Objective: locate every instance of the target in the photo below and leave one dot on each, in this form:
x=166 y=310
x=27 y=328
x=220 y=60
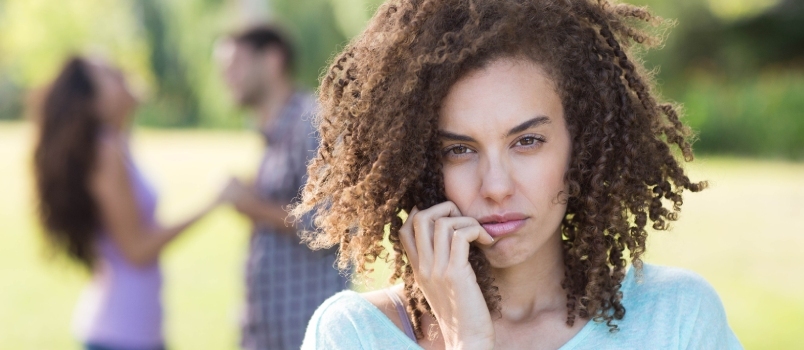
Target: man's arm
x=265 y=212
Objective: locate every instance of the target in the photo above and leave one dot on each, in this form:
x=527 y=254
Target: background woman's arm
x=112 y=189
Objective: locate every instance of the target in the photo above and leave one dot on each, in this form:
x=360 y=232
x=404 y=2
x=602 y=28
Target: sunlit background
x=737 y=67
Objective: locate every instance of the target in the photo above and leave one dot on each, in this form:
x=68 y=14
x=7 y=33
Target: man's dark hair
x=262 y=37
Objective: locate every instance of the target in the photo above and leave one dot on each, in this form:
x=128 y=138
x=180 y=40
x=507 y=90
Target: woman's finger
x=461 y=240
x=442 y=237
x=423 y=225
x=407 y=240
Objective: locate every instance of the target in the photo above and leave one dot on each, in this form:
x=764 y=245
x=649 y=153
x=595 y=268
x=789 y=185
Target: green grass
x=744 y=235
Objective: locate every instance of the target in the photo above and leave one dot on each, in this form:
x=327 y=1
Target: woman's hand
x=437 y=241
x=232 y=191
x=241 y=196
x=247 y=201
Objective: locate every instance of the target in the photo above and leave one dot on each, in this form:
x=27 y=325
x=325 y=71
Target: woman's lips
x=497 y=229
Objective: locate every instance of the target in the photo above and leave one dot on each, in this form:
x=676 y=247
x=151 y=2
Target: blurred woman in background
x=98 y=208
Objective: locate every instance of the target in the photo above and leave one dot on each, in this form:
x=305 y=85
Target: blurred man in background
x=285 y=280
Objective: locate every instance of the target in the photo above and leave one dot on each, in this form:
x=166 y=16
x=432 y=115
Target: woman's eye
x=459 y=149
x=528 y=141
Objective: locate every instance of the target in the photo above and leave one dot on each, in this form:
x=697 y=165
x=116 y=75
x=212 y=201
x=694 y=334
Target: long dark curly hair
x=379 y=149
x=69 y=126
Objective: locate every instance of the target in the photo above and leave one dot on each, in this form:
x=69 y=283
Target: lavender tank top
x=407 y=327
x=122 y=305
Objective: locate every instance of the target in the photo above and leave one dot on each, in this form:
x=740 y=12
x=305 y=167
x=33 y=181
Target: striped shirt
x=285 y=280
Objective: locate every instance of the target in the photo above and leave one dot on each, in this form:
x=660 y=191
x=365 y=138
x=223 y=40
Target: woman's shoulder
x=351 y=307
x=111 y=161
x=669 y=307
x=345 y=304
x=333 y=321
x=654 y=283
x=110 y=147
x=348 y=320
x=650 y=275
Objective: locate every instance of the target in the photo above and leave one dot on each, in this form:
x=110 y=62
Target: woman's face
x=115 y=102
x=506 y=149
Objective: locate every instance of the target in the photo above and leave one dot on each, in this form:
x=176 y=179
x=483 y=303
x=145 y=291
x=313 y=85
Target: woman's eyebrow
x=531 y=123
x=454 y=137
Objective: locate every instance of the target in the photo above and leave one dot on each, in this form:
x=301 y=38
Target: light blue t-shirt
x=666 y=308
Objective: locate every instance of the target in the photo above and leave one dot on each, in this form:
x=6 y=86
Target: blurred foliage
x=759 y=116
x=37 y=35
x=736 y=65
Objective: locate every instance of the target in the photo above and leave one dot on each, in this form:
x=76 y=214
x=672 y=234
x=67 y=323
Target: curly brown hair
x=379 y=153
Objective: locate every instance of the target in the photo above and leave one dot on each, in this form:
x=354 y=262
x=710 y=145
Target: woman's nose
x=497 y=184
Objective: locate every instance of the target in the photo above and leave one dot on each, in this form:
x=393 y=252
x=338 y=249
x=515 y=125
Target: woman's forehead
x=503 y=94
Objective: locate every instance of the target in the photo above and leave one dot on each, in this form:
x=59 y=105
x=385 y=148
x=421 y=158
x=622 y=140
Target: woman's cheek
x=450 y=188
x=458 y=184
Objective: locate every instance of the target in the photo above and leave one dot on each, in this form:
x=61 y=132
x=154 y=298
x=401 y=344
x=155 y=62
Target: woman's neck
x=117 y=125
x=118 y=133
x=533 y=287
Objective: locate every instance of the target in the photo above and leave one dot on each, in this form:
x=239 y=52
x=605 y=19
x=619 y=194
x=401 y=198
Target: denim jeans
x=105 y=347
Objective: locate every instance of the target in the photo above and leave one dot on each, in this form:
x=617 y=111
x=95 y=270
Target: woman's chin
x=504 y=253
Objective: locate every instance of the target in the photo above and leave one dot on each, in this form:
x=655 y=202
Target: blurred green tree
x=37 y=35
x=176 y=101
x=737 y=65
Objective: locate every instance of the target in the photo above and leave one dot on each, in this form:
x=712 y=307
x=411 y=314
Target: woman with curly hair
x=514 y=153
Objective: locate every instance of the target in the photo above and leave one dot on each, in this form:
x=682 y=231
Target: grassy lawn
x=745 y=235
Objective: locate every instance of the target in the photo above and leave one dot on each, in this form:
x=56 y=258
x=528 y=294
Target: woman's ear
x=562 y=197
